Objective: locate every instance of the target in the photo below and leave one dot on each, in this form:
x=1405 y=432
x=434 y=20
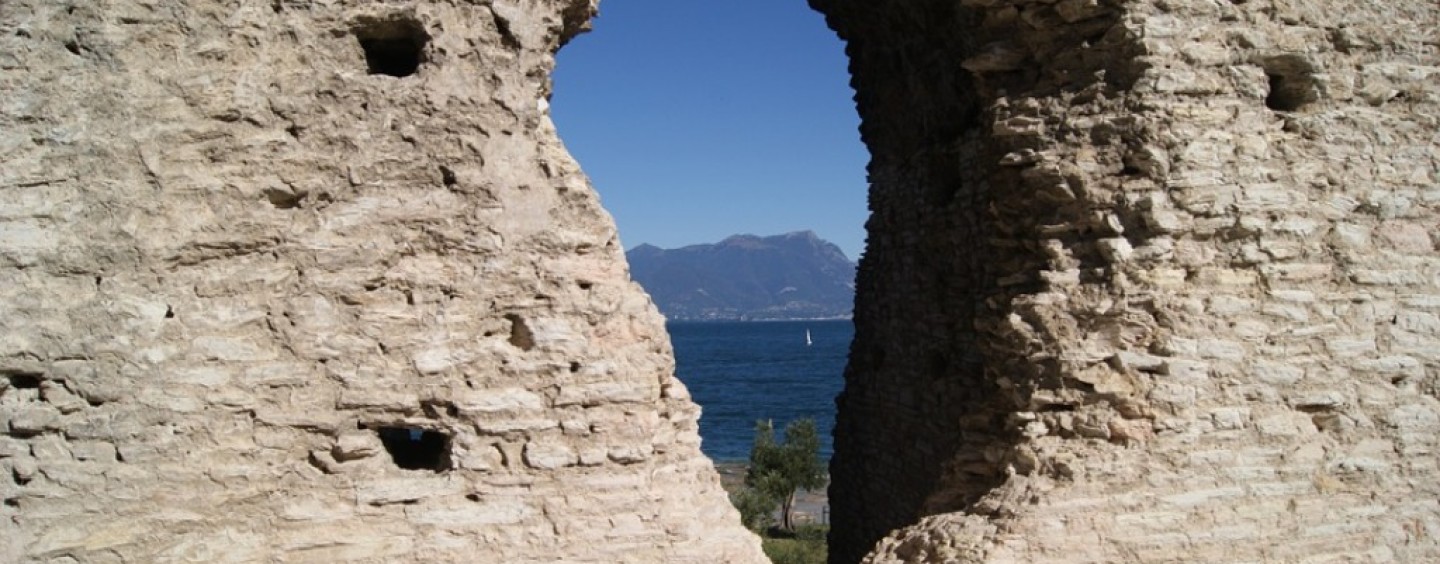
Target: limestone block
x=1412 y=417
x=549 y=455
x=439 y=359
x=1276 y=273
x=499 y=400
x=12 y=447
x=356 y=445
x=475 y=453
x=1384 y=277
x=384 y=491
x=93 y=451
x=1166 y=221
x=629 y=454
x=1284 y=424
x=485 y=511
x=1115 y=249
x=593 y=456
x=55 y=394
x=277 y=417
x=603 y=393
x=1280 y=373
x=49 y=449
x=218 y=348
x=315 y=509
x=32 y=419
x=506 y=425
x=383 y=400
x=24 y=468
x=1230 y=418
x=1405 y=237
x=336 y=543
x=556 y=334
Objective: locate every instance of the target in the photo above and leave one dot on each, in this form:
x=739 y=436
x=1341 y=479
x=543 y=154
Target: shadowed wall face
x=1145 y=280
x=914 y=358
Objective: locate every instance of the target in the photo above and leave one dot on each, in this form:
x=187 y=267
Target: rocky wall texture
x=1147 y=280
x=315 y=281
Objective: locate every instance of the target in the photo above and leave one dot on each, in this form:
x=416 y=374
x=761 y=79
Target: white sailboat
x=808 y=342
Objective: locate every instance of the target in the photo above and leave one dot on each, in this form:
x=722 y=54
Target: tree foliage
x=756 y=509
x=778 y=470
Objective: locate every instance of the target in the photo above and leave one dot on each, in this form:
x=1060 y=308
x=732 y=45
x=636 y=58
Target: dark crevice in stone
x=520 y=334
x=413 y=448
x=315 y=462
x=283 y=199
x=393 y=46
x=25 y=381
x=507 y=36
x=1292 y=81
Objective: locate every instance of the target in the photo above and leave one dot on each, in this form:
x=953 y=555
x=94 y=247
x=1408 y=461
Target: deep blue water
x=741 y=372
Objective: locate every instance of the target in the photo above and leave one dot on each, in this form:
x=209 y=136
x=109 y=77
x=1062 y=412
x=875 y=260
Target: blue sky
x=699 y=120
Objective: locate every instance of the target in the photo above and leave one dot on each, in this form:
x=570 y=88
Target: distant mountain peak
x=744 y=241
x=795 y=275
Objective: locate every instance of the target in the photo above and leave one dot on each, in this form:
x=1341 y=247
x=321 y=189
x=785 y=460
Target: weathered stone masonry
x=315 y=281
x=1146 y=280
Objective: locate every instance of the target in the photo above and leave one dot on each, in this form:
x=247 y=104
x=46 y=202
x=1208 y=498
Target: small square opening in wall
x=416 y=449
x=394 y=46
x=24 y=381
x=1293 y=83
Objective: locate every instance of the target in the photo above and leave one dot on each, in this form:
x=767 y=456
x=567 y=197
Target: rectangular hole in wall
x=24 y=381
x=413 y=448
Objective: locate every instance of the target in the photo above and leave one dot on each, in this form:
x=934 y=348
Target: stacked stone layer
x=235 y=250
x=1146 y=281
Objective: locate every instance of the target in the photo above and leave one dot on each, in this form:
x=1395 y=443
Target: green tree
x=778 y=470
x=757 y=510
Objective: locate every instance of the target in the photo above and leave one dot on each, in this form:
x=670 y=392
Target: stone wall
x=1146 y=281
x=255 y=257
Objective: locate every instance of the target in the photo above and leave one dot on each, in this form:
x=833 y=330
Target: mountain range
x=744 y=277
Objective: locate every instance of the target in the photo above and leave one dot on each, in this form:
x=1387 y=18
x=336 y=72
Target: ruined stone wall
x=1146 y=281
x=245 y=244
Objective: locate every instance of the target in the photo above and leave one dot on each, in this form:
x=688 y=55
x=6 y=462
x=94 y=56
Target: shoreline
x=739 y=320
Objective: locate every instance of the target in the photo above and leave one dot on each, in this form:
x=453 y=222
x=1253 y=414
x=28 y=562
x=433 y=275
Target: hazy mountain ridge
x=792 y=276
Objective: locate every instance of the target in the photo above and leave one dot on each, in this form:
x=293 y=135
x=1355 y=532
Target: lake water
x=741 y=372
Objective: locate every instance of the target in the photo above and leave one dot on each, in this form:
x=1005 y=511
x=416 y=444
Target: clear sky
x=697 y=120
